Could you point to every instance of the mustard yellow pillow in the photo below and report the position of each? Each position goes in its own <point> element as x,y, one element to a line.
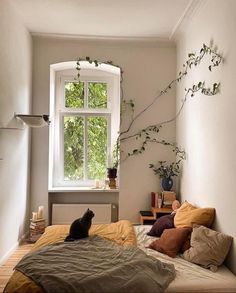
<point>188,215</point>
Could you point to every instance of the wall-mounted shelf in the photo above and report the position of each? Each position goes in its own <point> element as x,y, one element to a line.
<point>34,120</point>
<point>29,120</point>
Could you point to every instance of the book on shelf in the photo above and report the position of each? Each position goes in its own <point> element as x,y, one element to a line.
<point>37,226</point>
<point>154,199</point>
<point>37,222</point>
<point>33,232</point>
<point>37,229</point>
<point>34,238</point>
<point>146,213</point>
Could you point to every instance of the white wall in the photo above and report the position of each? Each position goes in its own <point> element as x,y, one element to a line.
<point>15,96</point>
<point>206,128</point>
<point>148,67</point>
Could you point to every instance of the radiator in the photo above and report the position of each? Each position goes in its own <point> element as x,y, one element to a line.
<point>63,214</point>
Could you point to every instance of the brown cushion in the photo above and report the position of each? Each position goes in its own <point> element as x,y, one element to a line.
<point>188,215</point>
<point>208,247</point>
<point>171,241</point>
<point>164,222</point>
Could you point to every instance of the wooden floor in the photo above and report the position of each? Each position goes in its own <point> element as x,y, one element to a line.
<point>6,270</point>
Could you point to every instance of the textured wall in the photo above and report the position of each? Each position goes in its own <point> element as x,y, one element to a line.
<point>206,128</point>
<point>15,96</point>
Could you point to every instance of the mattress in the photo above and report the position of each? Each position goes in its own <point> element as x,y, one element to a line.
<point>190,278</point>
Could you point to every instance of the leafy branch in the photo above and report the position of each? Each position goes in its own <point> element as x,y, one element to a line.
<point>92,61</point>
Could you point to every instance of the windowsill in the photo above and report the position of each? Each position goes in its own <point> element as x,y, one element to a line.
<point>82,189</point>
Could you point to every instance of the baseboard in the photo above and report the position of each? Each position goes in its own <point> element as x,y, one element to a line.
<point>11,250</point>
<point>8,254</point>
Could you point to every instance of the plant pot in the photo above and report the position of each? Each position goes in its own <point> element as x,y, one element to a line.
<point>111,172</point>
<point>167,183</point>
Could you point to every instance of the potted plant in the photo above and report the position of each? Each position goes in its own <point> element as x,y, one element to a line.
<point>112,171</point>
<point>166,172</point>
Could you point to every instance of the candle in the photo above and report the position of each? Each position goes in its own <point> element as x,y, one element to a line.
<point>34,216</point>
<point>40,212</point>
<point>97,183</point>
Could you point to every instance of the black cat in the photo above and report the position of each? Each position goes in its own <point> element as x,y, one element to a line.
<point>80,227</point>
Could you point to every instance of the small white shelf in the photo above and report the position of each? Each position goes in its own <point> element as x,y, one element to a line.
<point>34,120</point>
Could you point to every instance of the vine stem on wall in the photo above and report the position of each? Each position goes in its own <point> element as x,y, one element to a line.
<point>193,60</point>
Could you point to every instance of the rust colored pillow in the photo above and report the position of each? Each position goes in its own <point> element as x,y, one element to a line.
<point>171,241</point>
<point>162,223</point>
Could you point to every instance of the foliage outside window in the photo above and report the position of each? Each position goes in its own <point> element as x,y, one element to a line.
<point>85,136</point>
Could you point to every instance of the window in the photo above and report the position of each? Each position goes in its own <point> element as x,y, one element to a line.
<point>84,123</point>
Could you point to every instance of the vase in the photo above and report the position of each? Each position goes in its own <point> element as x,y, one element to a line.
<point>167,183</point>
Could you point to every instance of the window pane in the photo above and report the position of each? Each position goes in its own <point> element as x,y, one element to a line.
<point>97,147</point>
<point>97,95</point>
<point>73,148</point>
<point>74,94</point>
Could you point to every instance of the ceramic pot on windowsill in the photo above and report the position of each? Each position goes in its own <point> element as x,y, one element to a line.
<point>112,174</point>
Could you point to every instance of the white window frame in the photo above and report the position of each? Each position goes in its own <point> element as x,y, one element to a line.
<point>59,73</point>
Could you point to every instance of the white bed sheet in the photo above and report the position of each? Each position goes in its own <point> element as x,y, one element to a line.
<point>190,278</point>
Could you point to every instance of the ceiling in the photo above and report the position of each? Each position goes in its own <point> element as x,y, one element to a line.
<point>103,18</point>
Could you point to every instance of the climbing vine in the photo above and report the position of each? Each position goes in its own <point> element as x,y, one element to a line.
<point>150,133</point>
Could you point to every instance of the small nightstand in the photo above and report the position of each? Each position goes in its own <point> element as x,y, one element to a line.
<point>146,217</point>
<point>149,217</point>
<point>159,212</point>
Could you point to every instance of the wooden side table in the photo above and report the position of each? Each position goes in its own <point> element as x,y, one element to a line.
<point>159,212</point>
<point>149,217</point>
<point>146,217</point>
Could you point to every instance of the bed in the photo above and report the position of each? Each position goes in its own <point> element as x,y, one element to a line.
<point>188,277</point>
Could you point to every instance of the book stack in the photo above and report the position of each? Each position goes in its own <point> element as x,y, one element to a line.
<point>37,228</point>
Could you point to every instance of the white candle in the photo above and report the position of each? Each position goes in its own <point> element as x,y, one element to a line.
<point>97,183</point>
<point>34,216</point>
<point>40,212</point>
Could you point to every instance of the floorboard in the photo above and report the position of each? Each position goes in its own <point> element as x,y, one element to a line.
<point>6,269</point>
